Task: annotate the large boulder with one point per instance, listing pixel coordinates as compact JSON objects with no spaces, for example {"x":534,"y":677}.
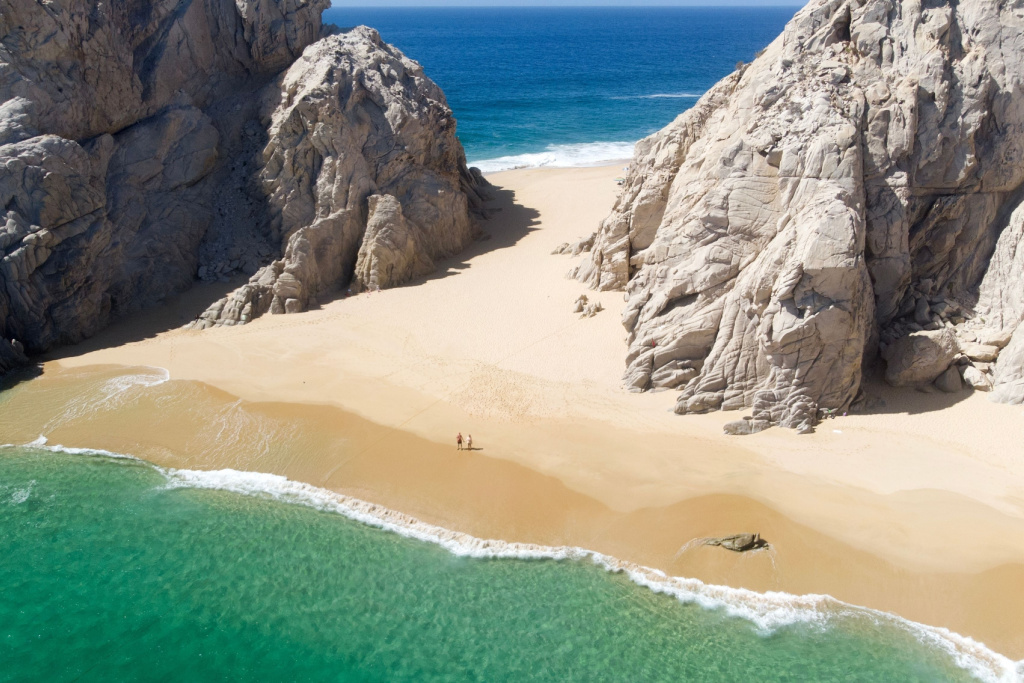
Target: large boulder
{"x":976,"y":379}
{"x":950,"y":381}
{"x":848,"y":187}
{"x":919,"y":358}
{"x":392,"y":134}
{"x":739,"y":543}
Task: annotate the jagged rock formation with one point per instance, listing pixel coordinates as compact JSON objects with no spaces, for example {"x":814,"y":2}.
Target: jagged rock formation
{"x":143,"y":144}
{"x":860,"y":182}
{"x":586,"y":308}
{"x":352,"y":119}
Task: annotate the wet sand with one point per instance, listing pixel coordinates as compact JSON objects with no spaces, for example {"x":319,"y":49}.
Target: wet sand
{"x":916,"y":509}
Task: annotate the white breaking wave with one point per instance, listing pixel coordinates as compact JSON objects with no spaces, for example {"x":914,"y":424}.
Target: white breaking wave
{"x":41,"y":444}
{"x":767,"y":611}
{"x":662,"y":96}
{"x":561,"y":156}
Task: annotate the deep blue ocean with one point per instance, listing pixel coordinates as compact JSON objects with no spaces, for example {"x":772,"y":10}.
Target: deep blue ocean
{"x":569,"y":86}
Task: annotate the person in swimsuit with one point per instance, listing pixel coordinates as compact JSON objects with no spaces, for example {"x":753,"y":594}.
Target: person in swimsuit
{"x":458,"y":441}
{"x":469,"y":442}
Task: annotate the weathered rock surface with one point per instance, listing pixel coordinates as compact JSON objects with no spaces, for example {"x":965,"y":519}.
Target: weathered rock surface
{"x":949,"y":381}
{"x":145,"y":143}
{"x":587,"y":308}
{"x":976,"y":379}
{"x":351,"y":119}
{"x":738,"y":543}
{"x":1009,"y":374}
{"x":859,"y":182}
{"x":392,"y":250}
{"x":78,"y":69}
{"x":919,"y":358}
{"x":980,"y":352}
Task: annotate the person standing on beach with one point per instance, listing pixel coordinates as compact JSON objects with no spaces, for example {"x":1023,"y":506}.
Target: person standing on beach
{"x":458,"y":441}
{"x":469,"y":442}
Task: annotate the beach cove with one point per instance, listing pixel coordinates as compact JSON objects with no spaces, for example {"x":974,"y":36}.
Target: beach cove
{"x":915,"y":509}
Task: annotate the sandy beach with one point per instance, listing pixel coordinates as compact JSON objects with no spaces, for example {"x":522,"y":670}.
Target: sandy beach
{"x":916,"y":508}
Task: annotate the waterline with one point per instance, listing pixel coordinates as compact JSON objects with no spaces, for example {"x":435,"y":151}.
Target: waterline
{"x":768,"y":611}
{"x":561,"y":156}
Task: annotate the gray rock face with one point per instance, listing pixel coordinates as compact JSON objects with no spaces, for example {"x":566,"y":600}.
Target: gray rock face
{"x":394,"y":137}
{"x":1009,"y":375}
{"x":743,"y":427}
{"x":919,"y":358}
{"x":860,"y":181}
{"x":143,"y":143}
{"x":391,"y":252}
{"x":78,"y":69}
{"x":976,"y":379}
{"x":739,"y":543}
{"x":949,"y":381}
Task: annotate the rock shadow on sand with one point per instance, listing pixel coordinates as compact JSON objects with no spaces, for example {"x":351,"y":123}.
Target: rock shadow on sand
{"x":506,"y":224}
{"x":174,"y":312}
{"x":878,"y":397}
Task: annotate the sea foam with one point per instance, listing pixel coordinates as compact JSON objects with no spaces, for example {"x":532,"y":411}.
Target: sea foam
{"x":661,"y":96}
{"x":561,"y":156}
{"x":766,"y":611}
{"x":112,"y":394}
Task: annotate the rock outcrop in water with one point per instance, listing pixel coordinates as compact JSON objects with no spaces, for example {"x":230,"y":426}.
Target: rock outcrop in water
{"x":857,"y":185}
{"x":145,"y":144}
{"x":739,"y":543}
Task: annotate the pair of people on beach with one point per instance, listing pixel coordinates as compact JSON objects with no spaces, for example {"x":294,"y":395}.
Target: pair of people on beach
{"x":468,"y":441}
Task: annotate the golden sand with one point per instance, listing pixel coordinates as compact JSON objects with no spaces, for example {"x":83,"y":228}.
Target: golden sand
{"x":916,"y":509}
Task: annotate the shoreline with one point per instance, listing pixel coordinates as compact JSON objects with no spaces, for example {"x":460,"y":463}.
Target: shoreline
{"x":884,"y":510}
{"x":561,"y":157}
{"x":768,"y":612}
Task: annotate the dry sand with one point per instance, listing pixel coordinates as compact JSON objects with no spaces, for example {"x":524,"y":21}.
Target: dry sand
{"x":917,"y":508}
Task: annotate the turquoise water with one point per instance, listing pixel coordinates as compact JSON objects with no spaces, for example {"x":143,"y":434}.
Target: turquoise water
{"x":569,"y":86}
{"x":113,"y":569}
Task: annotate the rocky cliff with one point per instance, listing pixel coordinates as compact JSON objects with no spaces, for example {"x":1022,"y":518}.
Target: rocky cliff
{"x":144,"y":145}
{"x":855,"y":192}
{"x":354,"y":127}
